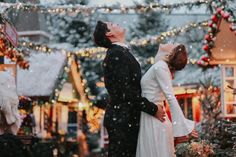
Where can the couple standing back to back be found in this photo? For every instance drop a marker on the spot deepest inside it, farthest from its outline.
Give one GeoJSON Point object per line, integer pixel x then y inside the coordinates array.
{"type": "Point", "coordinates": [135, 117]}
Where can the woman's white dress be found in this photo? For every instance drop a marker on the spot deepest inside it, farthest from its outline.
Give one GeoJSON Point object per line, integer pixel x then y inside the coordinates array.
{"type": "Point", "coordinates": [156, 139]}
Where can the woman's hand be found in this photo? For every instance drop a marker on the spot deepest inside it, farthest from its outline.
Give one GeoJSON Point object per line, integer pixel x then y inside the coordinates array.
{"type": "Point", "coordinates": [182, 139]}
{"type": "Point", "coordinates": [160, 114]}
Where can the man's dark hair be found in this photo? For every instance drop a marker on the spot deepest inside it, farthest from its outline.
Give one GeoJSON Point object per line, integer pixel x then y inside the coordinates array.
{"type": "Point", "coordinates": [99, 35]}
{"type": "Point", "coordinates": [179, 59]}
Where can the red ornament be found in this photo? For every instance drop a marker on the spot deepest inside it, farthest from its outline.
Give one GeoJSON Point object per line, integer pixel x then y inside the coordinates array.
{"type": "Point", "coordinates": [207, 37]}
{"type": "Point", "coordinates": [222, 12]}
{"type": "Point", "coordinates": [206, 47]}
{"type": "Point", "coordinates": [226, 16]}
{"type": "Point", "coordinates": [214, 18]}
{"type": "Point", "coordinates": [199, 62]}
{"type": "Point", "coordinates": [210, 24]}
{"type": "Point", "coordinates": [205, 59]}
{"type": "Point", "coordinates": [218, 10]}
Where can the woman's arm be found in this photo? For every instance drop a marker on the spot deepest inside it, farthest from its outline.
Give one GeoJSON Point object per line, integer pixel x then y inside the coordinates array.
{"type": "Point", "coordinates": [181, 125]}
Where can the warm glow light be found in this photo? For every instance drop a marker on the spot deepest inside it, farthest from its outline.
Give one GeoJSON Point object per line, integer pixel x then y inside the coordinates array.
{"type": "Point", "coordinates": [196, 109]}
{"type": "Point", "coordinates": [100, 84]}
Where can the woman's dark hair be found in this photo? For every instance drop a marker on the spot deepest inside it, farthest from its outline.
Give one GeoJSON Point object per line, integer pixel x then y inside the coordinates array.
{"type": "Point", "coordinates": [99, 35]}
{"type": "Point", "coordinates": [179, 58]}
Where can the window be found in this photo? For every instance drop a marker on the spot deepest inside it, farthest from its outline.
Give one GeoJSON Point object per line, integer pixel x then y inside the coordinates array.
{"type": "Point", "coordinates": [72, 123]}
{"type": "Point", "coordinates": [186, 106]}
{"type": "Point", "coordinates": [189, 109]}
{"type": "Point", "coordinates": [228, 90]}
{"type": "Point", "coordinates": [1, 60]}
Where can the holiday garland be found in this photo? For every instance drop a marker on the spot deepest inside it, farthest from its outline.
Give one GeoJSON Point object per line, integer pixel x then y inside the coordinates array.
{"type": "Point", "coordinates": [11, 53]}
{"type": "Point", "coordinates": [77, 8]}
{"type": "Point", "coordinates": [99, 52]}
{"type": "Point", "coordinates": [8, 50]}
{"type": "Point", "coordinates": [221, 13]}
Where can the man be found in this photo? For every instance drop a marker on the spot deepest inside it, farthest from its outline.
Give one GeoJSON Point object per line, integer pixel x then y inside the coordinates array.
{"type": "Point", "coordinates": [122, 75]}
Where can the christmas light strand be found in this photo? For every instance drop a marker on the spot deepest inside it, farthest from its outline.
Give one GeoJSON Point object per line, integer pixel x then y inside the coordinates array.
{"type": "Point", "coordinates": [173, 32]}
{"type": "Point", "coordinates": [76, 8]}
{"type": "Point", "coordinates": [94, 114]}
{"type": "Point", "coordinates": [61, 80]}
{"type": "Point", "coordinates": [98, 52]}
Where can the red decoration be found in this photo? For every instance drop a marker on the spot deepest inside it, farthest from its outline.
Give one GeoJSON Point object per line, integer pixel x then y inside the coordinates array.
{"type": "Point", "coordinates": [199, 62]}
{"type": "Point", "coordinates": [212, 32]}
{"type": "Point", "coordinates": [214, 18]}
{"type": "Point", "coordinates": [205, 58]}
{"type": "Point", "coordinates": [210, 24]}
{"type": "Point", "coordinates": [206, 47]}
{"type": "Point", "coordinates": [219, 10]}
{"type": "Point", "coordinates": [226, 16]}
{"type": "Point", "coordinates": [2, 44]}
{"type": "Point", "coordinates": [8, 51]}
{"type": "Point", "coordinates": [222, 12]}
{"type": "Point", "coordinates": [207, 37]}
{"type": "Point", "coordinates": [23, 64]}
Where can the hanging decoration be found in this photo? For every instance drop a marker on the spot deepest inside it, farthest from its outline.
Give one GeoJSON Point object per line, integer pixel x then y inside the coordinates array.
{"type": "Point", "coordinates": [12, 54]}
{"type": "Point", "coordinates": [7, 48]}
{"type": "Point", "coordinates": [88, 52]}
{"type": "Point", "coordinates": [99, 52]}
{"type": "Point", "coordinates": [82, 52]}
{"type": "Point", "coordinates": [221, 13]}
{"type": "Point", "coordinates": [76, 8]}
{"type": "Point", "coordinates": [173, 32]}
{"type": "Point", "coordinates": [93, 52]}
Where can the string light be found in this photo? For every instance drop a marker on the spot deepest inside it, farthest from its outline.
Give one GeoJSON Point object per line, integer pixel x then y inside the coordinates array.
{"type": "Point", "coordinates": [77, 8]}
{"type": "Point", "coordinates": [8, 50]}
{"type": "Point", "coordinates": [83, 52]}
{"type": "Point", "coordinates": [61, 80]}
{"type": "Point", "coordinates": [94, 114]}
{"type": "Point", "coordinates": [12, 53]}
{"type": "Point", "coordinates": [98, 52]}
{"type": "Point", "coordinates": [174, 32]}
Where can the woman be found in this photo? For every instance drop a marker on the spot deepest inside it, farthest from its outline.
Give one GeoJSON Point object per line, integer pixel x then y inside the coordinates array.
{"type": "Point", "coordinates": [156, 139]}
